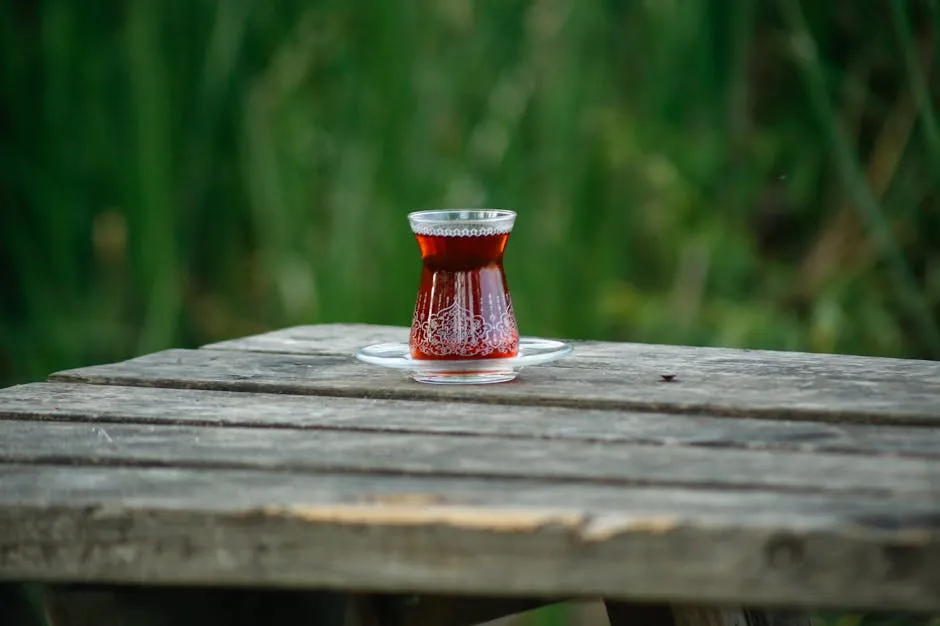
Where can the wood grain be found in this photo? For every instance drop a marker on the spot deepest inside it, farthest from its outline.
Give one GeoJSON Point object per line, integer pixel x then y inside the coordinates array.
{"type": "Point", "coordinates": [654, 359]}
{"type": "Point", "coordinates": [177, 526]}
{"type": "Point", "coordinates": [754, 478]}
{"type": "Point", "coordinates": [345, 339]}
{"type": "Point", "coordinates": [105, 404]}
{"type": "Point", "coordinates": [887, 395]}
{"type": "Point", "coordinates": [651, 507]}
{"type": "Point", "coordinates": [327, 339]}
{"type": "Point", "coordinates": [453, 456]}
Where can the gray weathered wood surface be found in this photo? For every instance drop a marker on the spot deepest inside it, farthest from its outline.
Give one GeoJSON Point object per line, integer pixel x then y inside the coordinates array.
{"type": "Point", "coordinates": [599, 375]}
{"type": "Point", "coordinates": [457, 455]}
{"type": "Point", "coordinates": [191, 407]}
{"type": "Point", "coordinates": [432, 535]}
{"type": "Point", "coordinates": [757, 478]}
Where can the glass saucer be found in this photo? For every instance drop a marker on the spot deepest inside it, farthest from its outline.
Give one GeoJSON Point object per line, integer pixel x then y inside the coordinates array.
{"type": "Point", "coordinates": [532, 351]}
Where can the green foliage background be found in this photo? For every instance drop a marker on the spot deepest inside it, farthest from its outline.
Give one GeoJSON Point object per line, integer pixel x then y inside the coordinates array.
{"type": "Point", "coordinates": [737, 173]}
{"type": "Point", "coordinates": [758, 174]}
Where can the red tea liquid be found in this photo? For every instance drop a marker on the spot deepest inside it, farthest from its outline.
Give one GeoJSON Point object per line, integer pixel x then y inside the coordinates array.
{"type": "Point", "coordinates": [463, 310]}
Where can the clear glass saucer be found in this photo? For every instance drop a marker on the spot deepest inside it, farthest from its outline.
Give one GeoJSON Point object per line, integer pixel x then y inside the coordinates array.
{"type": "Point", "coordinates": [532, 351]}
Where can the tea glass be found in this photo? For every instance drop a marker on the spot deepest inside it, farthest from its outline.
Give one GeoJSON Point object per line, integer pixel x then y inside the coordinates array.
{"type": "Point", "coordinates": [463, 310]}
{"type": "Point", "coordinates": [463, 329]}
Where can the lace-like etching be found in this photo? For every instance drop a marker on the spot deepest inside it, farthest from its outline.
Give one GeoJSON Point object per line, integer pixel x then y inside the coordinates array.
{"type": "Point", "coordinates": [456, 331]}
{"type": "Point", "coordinates": [437, 229]}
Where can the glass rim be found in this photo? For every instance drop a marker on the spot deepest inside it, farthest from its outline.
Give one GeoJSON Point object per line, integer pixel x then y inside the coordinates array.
{"type": "Point", "coordinates": [462, 222]}
{"type": "Point", "coordinates": [454, 217]}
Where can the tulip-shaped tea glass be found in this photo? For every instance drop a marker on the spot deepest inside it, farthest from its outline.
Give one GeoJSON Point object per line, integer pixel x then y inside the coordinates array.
{"type": "Point", "coordinates": [463, 309]}
{"type": "Point", "coordinates": [463, 329]}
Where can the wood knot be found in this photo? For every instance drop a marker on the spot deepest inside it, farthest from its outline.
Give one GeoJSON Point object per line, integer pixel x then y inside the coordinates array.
{"type": "Point", "coordinates": [785, 552]}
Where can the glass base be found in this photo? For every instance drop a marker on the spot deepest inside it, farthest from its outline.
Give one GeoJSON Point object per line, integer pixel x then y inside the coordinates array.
{"type": "Point", "coordinates": [532, 351]}
{"type": "Point", "coordinates": [464, 378]}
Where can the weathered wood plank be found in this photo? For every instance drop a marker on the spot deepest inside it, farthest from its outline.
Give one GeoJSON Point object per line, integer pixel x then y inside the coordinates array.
{"type": "Point", "coordinates": [337, 531]}
{"type": "Point", "coordinates": [81, 487]}
{"type": "Point", "coordinates": [747, 389]}
{"type": "Point", "coordinates": [344, 339]}
{"type": "Point", "coordinates": [449, 455]}
{"type": "Point", "coordinates": [327, 339]}
{"type": "Point", "coordinates": [105, 404]}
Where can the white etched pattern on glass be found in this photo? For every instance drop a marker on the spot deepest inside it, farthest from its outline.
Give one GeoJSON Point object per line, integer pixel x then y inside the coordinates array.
{"type": "Point", "coordinates": [456, 331]}
{"type": "Point", "coordinates": [438, 229]}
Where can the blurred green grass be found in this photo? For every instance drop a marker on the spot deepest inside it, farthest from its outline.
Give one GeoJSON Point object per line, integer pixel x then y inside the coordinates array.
{"type": "Point", "coordinates": [741, 174]}
{"type": "Point", "coordinates": [744, 174]}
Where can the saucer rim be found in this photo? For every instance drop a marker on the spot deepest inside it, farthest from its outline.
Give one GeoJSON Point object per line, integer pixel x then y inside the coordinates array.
{"type": "Point", "coordinates": [556, 350]}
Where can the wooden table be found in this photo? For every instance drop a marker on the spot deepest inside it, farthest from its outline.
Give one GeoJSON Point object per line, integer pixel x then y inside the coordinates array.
{"type": "Point", "coordinates": [752, 478]}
